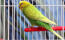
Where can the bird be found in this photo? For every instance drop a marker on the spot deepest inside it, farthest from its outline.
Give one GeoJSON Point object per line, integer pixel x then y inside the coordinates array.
{"type": "Point", "coordinates": [36, 18]}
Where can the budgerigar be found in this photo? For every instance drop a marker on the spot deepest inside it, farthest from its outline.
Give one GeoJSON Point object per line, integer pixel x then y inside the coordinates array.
{"type": "Point", "coordinates": [36, 17]}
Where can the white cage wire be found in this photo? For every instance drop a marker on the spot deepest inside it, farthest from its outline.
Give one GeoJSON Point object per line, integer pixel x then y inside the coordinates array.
{"type": "Point", "coordinates": [13, 22]}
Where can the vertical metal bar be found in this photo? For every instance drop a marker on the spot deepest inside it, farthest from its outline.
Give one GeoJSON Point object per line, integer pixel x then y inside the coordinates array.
{"type": "Point", "coordinates": [24, 27]}
{"type": "Point", "coordinates": [32, 2]}
{"type": "Point", "coordinates": [40, 31]}
{"type": "Point", "coordinates": [45, 15]}
{"type": "Point", "coordinates": [53, 15]}
{"type": "Point", "coordinates": [41, 38]}
{"type": "Point", "coordinates": [57, 16]}
{"type": "Point", "coordinates": [32, 32]}
{"type": "Point", "coordinates": [49, 17]}
{"type": "Point", "coordinates": [8, 19]}
{"type": "Point", "coordinates": [17, 21]}
{"type": "Point", "coordinates": [63, 18]}
{"type": "Point", "coordinates": [28, 27]}
{"type": "Point", "coordinates": [28, 32]}
{"type": "Point", "coordinates": [0, 19]}
{"type": "Point", "coordinates": [36, 2]}
{"type": "Point", "coordinates": [4, 22]}
{"type": "Point", "coordinates": [20, 24]}
{"type": "Point", "coordinates": [61, 15]}
{"type": "Point", "coordinates": [36, 32]}
{"type": "Point", "coordinates": [14, 22]}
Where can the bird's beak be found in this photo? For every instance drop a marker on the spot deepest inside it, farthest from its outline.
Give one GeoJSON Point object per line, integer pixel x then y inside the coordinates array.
{"type": "Point", "coordinates": [20, 7]}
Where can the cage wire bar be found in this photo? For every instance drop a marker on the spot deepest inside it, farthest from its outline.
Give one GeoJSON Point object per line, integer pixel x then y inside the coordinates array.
{"type": "Point", "coordinates": [61, 14]}
{"type": "Point", "coordinates": [4, 23]}
{"type": "Point", "coordinates": [15, 30]}
{"type": "Point", "coordinates": [41, 37]}
{"type": "Point", "coordinates": [0, 19]}
{"type": "Point", "coordinates": [20, 21]}
{"type": "Point", "coordinates": [17, 22]}
{"type": "Point", "coordinates": [46, 16]}
{"type": "Point", "coordinates": [63, 19]}
{"type": "Point", "coordinates": [28, 27]}
{"type": "Point", "coordinates": [8, 17]}
{"type": "Point", "coordinates": [57, 16]}
{"type": "Point", "coordinates": [49, 16]}
{"type": "Point", "coordinates": [53, 16]}
{"type": "Point", "coordinates": [13, 21]}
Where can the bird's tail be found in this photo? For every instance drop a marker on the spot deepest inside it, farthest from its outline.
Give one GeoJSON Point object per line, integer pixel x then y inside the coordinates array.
{"type": "Point", "coordinates": [47, 26]}
{"type": "Point", "coordinates": [57, 34]}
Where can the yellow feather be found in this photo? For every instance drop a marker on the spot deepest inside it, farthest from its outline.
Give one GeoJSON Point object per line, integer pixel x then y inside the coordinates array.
{"type": "Point", "coordinates": [57, 35]}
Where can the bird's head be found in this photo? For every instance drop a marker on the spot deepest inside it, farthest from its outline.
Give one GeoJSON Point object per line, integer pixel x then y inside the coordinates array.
{"type": "Point", "coordinates": [23, 4]}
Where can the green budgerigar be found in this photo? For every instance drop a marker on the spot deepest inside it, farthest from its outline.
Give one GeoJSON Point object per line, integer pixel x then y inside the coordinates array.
{"type": "Point", "coordinates": [36, 17]}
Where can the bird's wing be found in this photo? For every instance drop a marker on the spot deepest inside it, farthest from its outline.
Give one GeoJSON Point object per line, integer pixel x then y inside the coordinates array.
{"type": "Point", "coordinates": [33, 13]}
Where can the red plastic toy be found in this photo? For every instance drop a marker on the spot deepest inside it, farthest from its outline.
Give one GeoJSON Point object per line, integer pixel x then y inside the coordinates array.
{"type": "Point", "coordinates": [32, 29]}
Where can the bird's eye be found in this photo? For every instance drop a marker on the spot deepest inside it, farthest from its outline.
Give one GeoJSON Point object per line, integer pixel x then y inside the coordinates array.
{"type": "Point", "coordinates": [21, 3]}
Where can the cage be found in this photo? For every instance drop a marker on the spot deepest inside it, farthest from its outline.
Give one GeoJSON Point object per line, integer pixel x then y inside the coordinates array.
{"type": "Point", "coordinates": [15, 26]}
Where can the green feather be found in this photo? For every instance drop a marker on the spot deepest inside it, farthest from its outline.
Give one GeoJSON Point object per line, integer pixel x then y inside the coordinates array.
{"type": "Point", "coordinates": [40, 23]}
{"type": "Point", "coordinates": [32, 12]}
{"type": "Point", "coordinates": [45, 25]}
